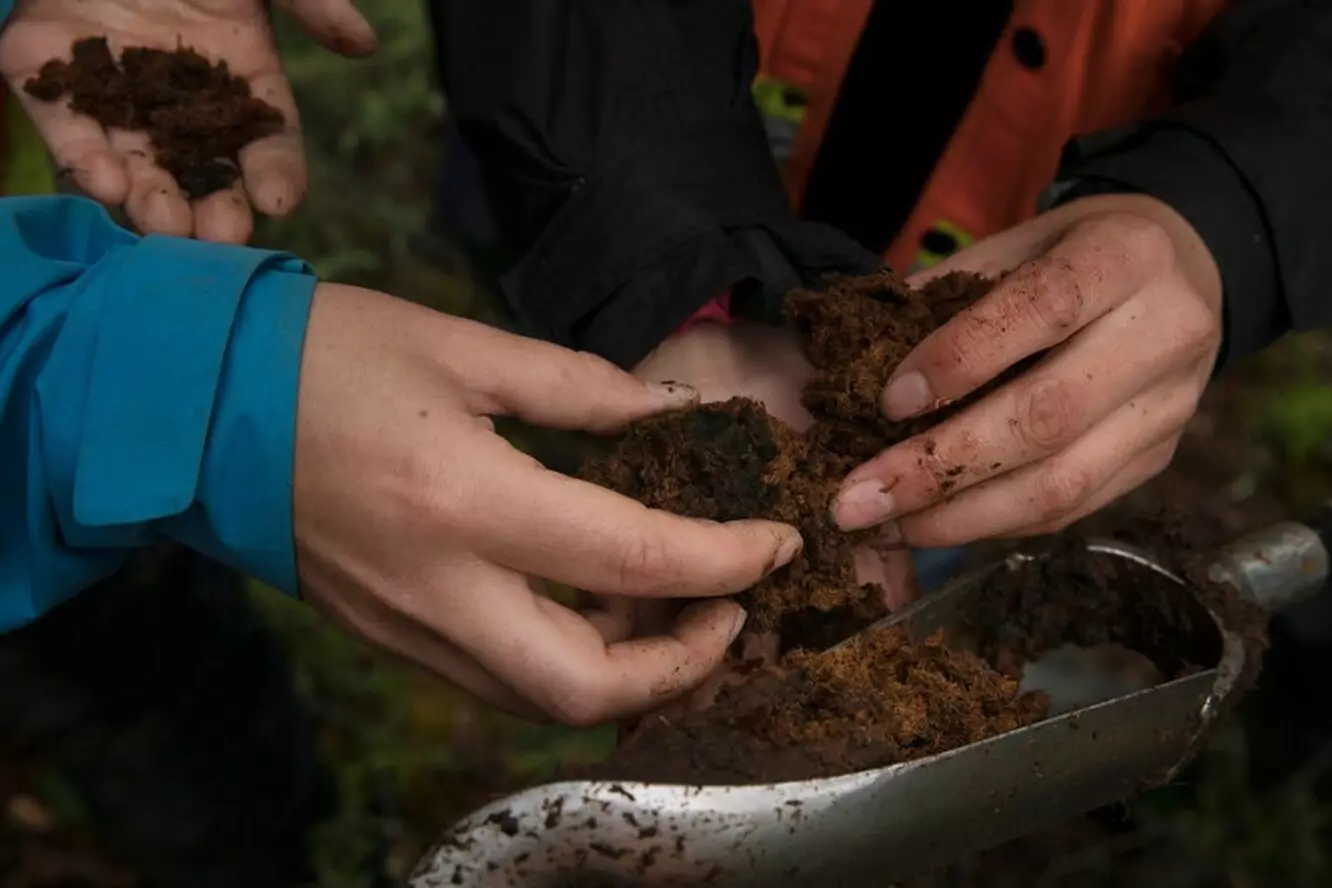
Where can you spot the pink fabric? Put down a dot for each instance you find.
(717, 311)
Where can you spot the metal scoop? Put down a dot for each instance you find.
(874, 827)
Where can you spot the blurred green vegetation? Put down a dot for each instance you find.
(1290, 422)
(371, 132)
(26, 170)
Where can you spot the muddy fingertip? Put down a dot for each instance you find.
(741, 617)
(674, 395)
(714, 617)
(791, 544)
(783, 540)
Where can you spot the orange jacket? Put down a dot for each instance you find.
(1105, 65)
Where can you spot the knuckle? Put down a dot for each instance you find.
(642, 564)
(1143, 240)
(574, 708)
(1060, 491)
(1197, 327)
(960, 348)
(592, 366)
(1048, 415)
(420, 489)
(580, 696)
(1059, 524)
(1176, 416)
(1161, 459)
(578, 370)
(1055, 297)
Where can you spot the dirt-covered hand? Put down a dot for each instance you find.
(116, 167)
(422, 530)
(1118, 301)
(765, 363)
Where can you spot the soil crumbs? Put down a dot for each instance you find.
(197, 114)
(885, 697)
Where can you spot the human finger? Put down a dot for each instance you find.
(613, 617)
(337, 25)
(273, 168)
(437, 655)
(415, 637)
(1138, 472)
(886, 562)
(79, 146)
(551, 386)
(1038, 414)
(224, 216)
(1100, 263)
(558, 661)
(545, 524)
(1054, 490)
(155, 203)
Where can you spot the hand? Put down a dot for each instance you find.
(423, 531)
(1126, 298)
(740, 360)
(767, 364)
(116, 167)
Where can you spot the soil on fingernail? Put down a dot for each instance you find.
(811, 710)
(197, 114)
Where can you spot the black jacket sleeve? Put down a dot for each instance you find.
(1246, 156)
(627, 165)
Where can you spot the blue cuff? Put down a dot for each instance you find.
(185, 420)
(243, 515)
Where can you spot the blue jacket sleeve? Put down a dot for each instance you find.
(147, 391)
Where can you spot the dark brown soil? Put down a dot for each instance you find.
(885, 697)
(1072, 597)
(880, 700)
(732, 460)
(198, 114)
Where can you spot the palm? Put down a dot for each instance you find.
(747, 360)
(767, 364)
(116, 167)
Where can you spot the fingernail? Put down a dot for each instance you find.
(907, 395)
(741, 616)
(863, 504)
(676, 394)
(788, 550)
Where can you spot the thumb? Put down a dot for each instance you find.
(551, 386)
(337, 25)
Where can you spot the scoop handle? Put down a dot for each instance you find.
(1281, 565)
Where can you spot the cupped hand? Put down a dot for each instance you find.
(1121, 300)
(116, 167)
(420, 529)
(767, 364)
